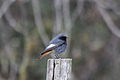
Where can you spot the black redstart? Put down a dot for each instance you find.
(57, 46)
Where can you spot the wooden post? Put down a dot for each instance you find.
(59, 69)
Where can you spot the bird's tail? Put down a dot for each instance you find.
(44, 53)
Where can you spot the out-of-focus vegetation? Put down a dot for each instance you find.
(27, 26)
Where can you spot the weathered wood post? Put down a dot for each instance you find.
(59, 69)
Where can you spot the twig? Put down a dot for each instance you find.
(9, 51)
(6, 4)
(27, 53)
(58, 21)
(38, 21)
(78, 9)
(11, 20)
(16, 26)
(67, 17)
(114, 29)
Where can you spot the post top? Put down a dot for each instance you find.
(61, 59)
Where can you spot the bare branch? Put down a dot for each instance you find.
(67, 17)
(78, 10)
(6, 4)
(9, 52)
(11, 20)
(110, 23)
(112, 5)
(38, 21)
(23, 29)
(26, 60)
(58, 11)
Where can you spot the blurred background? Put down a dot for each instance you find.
(27, 26)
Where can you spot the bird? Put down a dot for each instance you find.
(56, 46)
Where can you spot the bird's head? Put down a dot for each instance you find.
(62, 36)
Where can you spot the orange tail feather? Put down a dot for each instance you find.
(45, 53)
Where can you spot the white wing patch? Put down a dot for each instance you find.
(50, 46)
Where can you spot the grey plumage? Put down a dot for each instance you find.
(61, 43)
(58, 44)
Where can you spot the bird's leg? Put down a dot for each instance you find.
(57, 56)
